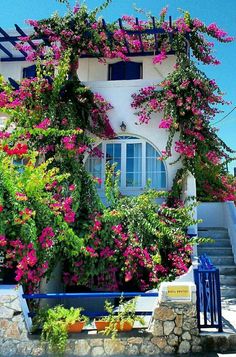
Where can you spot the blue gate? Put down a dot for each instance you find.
(207, 280)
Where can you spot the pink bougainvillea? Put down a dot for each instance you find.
(166, 123)
(184, 149)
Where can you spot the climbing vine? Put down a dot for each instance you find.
(188, 101)
(49, 206)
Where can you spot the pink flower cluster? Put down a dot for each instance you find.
(44, 124)
(195, 134)
(166, 123)
(178, 263)
(188, 150)
(69, 213)
(99, 115)
(159, 58)
(45, 239)
(219, 33)
(69, 142)
(4, 134)
(3, 241)
(163, 11)
(213, 157)
(181, 26)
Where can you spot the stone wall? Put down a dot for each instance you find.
(172, 329)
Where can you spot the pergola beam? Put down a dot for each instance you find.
(22, 33)
(140, 34)
(126, 42)
(5, 50)
(13, 42)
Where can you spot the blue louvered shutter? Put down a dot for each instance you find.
(29, 72)
(117, 71)
(133, 70)
(125, 71)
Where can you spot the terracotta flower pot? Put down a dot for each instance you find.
(101, 325)
(75, 327)
(126, 326)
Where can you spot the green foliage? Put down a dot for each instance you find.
(55, 323)
(124, 313)
(26, 205)
(134, 243)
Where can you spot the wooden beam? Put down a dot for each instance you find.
(5, 50)
(13, 38)
(22, 33)
(155, 35)
(13, 42)
(122, 28)
(13, 59)
(140, 36)
(13, 83)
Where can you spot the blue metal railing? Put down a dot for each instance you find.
(106, 295)
(207, 280)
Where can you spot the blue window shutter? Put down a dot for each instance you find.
(125, 71)
(29, 72)
(117, 71)
(133, 70)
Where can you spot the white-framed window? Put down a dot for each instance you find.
(137, 160)
(2, 123)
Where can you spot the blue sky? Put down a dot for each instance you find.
(221, 12)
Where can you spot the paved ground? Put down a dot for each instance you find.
(165, 355)
(229, 315)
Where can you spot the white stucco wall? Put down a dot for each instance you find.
(118, 93)
(13, 69)
(212, 213)
(230, 219)
(92, 70)
(219, 215)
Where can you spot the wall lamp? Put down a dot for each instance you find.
(123, 126)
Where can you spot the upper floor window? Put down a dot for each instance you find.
(29, 72)
(137, 160)
(125, 71)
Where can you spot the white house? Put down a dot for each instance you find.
(137, 147)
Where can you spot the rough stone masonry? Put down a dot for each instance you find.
(173, 329)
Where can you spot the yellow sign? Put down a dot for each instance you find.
(178, 291)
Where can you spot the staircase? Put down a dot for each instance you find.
(220, 253)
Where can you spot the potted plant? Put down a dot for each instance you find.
(57, 322)
(121, 319)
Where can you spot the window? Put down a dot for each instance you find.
(29, 72)
(125, 71)
(2, 123)
(19, 163)
(136, 159)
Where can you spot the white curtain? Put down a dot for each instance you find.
(134, 165)
(155, 169)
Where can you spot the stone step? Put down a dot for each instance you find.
(218, 251)
(228, 291)
(218, 342)
(228, 302)
(227, 269)
(214, 235)
(228, 279)
(218, 229)
(213, 232)
(217, 243)
(226, 260)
